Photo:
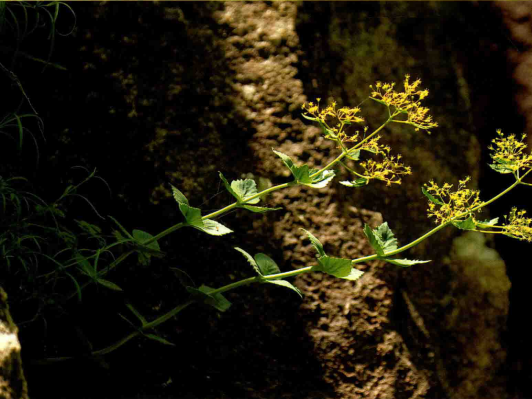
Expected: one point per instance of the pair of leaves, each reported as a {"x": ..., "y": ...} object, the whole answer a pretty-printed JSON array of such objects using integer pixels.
[
  {"x": 139, "y": 238},
  {"x": 304, "y": 175},
  {"x": 338, "y": 267},
  {"x": 144, "y": 322},
  {"x": 92, "y": 271},
  {"x": 146, "y": 251},
  {"x": 382, "y": 240},
  {"x": 242, "y": 190},
  {"x": 265, "y": 266},
  {"x": 193, "y": 217},
  {"x": 203, "y": 294}
]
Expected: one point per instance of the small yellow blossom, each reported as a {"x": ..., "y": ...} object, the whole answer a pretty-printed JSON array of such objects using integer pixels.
[
  {"x": 408, "y": 102},
  {"x": 329, "y": 115},
  {"x": 456, "y": 205},
  {"x": 518, "y": 226},
  {"x": 388, "y": 170},
  {"x": 508, "y": 153}
]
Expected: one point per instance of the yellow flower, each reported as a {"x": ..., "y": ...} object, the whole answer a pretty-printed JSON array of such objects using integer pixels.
[
  {"x": 407, "y": 102},
  {"x": 388, "y": 170},
  {"x": 508, "y": 153},
  {"x": 329, "y": 115},
  {"x": 457, "y": 205},
  {"x": 518, "y": 226}
]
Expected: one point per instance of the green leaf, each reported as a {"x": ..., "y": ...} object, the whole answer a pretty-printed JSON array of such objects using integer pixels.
[
  {"x": 491, "y": 222},
  {"x": 217, "y": 301},
  {"x": 354, "y": 155},
  {"x": 121, "y": 227},
  {"x": 309, "y": 118},
  {"x": 266, "y": 264},
  {"x": 322, "y": 179},
  {"x": 286, "y": 159},
  {"x": 468, "y": 224},
  {"x": 373, "y": 240},
  {"x": 355, "y": 183},
  {"x": 284, "y": 283},
  {"x": 91, "y": 229},
  {"x": 404, "y": 262},
  {"x": 179, "y": 196},
  {"x": 184, "y": 279},
  {"x": 386, "y": 237},
  {"x": 431, "y": 197},
  {"x": 158, "y": 339},
  {"x": 337, "y": 267},
  {"x": 228, "y": 187},
  {"x": 192, "y": 215},
  {"x": 137, "y": 314},
  {"x": 353, "y": 275},
  {"x": 315, "y": 243},
  {"x": 250, "y": 260},
  {"x": 141, "y": 237},
  {"x": 259, "y": 209},
  {"x": 245, "y": 189},
  {"x": 85, "y": 266},
  {"x": 214, "y": 228},
  {"x": 108, "y": 284}
]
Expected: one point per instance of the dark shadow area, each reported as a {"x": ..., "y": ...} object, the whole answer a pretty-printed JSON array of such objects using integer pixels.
[{"x": 132, "y": 71}]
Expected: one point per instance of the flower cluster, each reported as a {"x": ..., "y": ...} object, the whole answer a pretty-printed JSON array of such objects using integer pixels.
[
  {"x": 508, "y": 153},
  {"x": 408, "y": 102},
  {"x": 331, "y": 115},
  {"x": 446, "y": 205},
  {"x": 388, "y": 170},
  {"x": 518, "y": 226}
]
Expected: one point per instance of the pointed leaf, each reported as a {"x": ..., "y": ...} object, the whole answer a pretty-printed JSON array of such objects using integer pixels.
[
  {"x": 501, "y": 168},
  {"x": 468, "y": 224},
  {"x": 184, "y": 279},
  {"x": 315, "y": 243},
  {"x": 266, "y": 264},
  {"x": 141, "y": 237},
  {"x": 337, "y": 267},
  {"x": 158, "y": 339},
  {"x": 259, "y": 209},
  {"x": 217, "y": 301},
  {"x": 373, "y": 241},
  {"x": 431, "y": 197},
  {"x": 404, "y": 262},
  {"x": 179, "y": 196},
  {"x": 284, "y": 283},
  {"x": 302, "y": 174},
  {"x": 228, "y": 187},
  {"x": 354, "y": 155},
  {"x": 214, "y": 228},
  {"x": 286, "y": 159},
  {"x": 245, "y": 189},
  {"x": 491, "y": 222},
  {"x": 386, "y": 237},
  {"x": 108, "y": 284},
  {"x": 85, "y": 266},
  {"x": 137, "y": 314},
  {"x": 355, "y": 183},
  {"x": 322, "y": 179},
  {"x": 192, "y": 215},
  {"x": 353, "y": 275},
  {"x": 250, "y": 260}
]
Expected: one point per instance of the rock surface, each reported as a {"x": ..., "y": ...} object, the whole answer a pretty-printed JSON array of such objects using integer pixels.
[{"x": 12, "y": 382}]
